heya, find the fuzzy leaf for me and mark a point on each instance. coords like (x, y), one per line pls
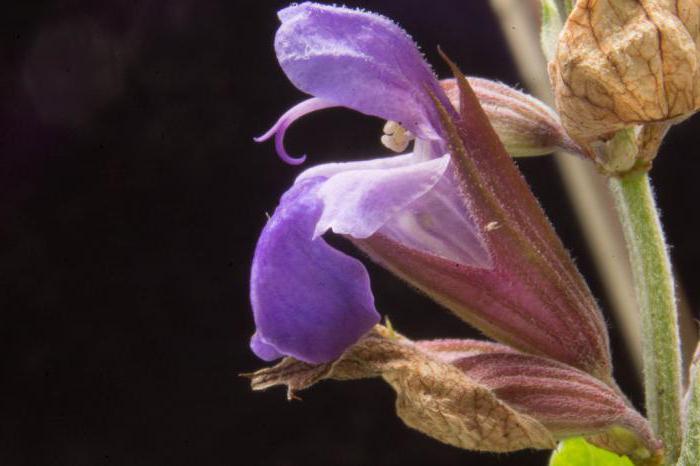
(578, 452)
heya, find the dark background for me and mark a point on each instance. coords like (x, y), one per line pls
(131, 195)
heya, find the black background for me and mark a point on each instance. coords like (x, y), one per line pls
(131, 195)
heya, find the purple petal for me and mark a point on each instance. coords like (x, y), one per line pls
(328, 170)
(264, 350)
(359, 202)
(309, 300)
(408, 198)
(358, 60)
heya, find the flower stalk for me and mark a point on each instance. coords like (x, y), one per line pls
(655, 293)
(690, 454)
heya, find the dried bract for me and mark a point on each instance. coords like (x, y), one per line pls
(625, 62)
(478, 395)
(433, 396)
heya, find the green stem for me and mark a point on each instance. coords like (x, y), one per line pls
(568, 6)
(657, 306)
(690, 454)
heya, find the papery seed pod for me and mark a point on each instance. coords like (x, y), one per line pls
(477, 395)
(525, 125)
(621, 63)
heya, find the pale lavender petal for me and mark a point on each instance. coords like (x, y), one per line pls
(309, 300)
(423, 151)
(279, 129)
(328, 170)
(401, 198)
(440, 224)
(358, 60)
(358, 202)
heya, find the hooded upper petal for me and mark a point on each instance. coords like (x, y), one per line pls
(358, 60)
(310, 301)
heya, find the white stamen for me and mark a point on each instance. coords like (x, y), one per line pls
(396, 137)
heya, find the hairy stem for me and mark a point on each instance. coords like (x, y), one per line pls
(690, 453)
(657, 306)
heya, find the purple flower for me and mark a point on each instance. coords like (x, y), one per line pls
(311, 301)
(453, 218)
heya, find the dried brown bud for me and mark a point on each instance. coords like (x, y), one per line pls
(567, 401)
(433, 396)
(476, 395)
(525, 125)
(621, 63)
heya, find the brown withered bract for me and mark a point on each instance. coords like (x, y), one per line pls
(621, 63)
(480, 395)
(433, 396)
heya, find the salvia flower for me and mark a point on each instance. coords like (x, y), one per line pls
(480, 246)
(455, 219)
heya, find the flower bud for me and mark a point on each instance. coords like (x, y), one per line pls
(621, 63)
(477, 395)
(525, 125)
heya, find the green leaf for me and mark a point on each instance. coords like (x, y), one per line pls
(578, 452)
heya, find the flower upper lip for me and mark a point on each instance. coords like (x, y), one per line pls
(359, 61)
